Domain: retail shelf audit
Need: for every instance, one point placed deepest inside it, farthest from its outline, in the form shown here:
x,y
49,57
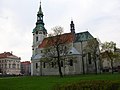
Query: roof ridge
x,y
83,32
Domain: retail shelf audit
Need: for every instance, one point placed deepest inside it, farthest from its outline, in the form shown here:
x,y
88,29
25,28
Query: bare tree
x,y
108,51
57,47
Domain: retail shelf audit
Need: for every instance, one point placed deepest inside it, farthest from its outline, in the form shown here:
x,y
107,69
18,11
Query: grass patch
x,y
48,82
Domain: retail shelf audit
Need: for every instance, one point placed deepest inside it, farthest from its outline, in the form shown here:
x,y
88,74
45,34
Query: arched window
x,y
36,38
71,62
89,58
36,32
36,65
44,65
61,63
40,32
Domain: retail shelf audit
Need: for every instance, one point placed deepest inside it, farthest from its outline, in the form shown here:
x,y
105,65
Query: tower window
x,y
41,18
40,33
36,38
36,32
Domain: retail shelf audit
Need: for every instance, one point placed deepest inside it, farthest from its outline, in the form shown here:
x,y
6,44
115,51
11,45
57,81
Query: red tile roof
x,y
26,62
7,55
61,39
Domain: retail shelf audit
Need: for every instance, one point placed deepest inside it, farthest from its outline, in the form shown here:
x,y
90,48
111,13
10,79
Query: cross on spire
x,y
40,2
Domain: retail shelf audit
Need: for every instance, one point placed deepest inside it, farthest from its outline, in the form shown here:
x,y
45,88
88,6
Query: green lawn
x,y
47,82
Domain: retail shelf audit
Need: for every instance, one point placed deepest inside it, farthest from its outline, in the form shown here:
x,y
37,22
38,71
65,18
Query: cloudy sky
x,y
18,17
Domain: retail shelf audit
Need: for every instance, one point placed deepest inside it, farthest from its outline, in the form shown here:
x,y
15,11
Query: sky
x,y
18,17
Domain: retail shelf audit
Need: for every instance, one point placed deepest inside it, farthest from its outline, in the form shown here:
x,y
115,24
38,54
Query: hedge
x,y
90,85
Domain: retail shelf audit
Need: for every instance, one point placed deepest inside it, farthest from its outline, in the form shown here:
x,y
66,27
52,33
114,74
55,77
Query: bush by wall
x,y
90,85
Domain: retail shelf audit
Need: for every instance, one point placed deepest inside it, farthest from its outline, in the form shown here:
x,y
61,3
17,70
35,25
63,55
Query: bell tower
x,y
72,27
39,32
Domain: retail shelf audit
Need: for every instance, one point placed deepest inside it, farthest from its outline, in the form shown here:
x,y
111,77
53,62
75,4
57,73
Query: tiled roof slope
x,y
83,36
7,55
50,41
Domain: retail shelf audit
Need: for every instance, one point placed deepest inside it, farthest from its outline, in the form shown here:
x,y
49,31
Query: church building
x,y
78,41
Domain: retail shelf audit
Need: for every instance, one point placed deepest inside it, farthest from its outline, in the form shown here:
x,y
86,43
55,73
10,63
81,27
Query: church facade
x,y
78,41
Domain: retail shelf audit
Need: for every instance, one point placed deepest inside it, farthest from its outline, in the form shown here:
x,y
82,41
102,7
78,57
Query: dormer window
x,y
40,32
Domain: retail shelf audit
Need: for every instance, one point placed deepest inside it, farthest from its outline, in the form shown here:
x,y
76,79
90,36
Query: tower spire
x,y
40,22
72,27
40,16
40,9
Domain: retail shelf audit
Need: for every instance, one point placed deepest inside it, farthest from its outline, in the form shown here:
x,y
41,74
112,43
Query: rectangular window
x,y
9,65
5,65
14,66
18,66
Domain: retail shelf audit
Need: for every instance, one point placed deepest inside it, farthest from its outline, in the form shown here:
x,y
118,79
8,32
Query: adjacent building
x,y
76,41
9,63
106,61
26,68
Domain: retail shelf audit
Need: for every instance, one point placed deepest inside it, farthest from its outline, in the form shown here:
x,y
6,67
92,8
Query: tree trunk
x,y
100,64
95,64
112,66
111,62
59,66
95,67
58,61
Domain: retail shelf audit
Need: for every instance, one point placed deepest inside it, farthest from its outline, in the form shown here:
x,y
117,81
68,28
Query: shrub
x,y
90,85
